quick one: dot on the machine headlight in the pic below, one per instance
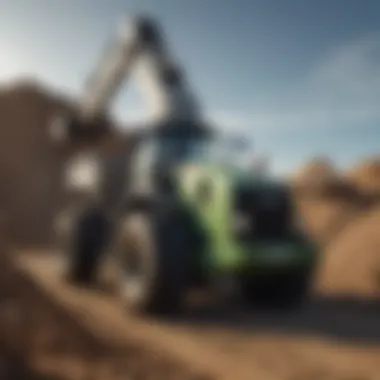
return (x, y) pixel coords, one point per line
(83, 174)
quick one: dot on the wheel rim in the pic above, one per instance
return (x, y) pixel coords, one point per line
(133, 283)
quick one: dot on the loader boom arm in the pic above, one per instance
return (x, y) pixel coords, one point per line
(113, 69)
(140, 43)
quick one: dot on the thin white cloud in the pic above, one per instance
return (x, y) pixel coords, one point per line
(342, 89)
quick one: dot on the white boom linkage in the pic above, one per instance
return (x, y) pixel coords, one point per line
(140, 43)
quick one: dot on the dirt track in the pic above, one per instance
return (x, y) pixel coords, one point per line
(330, 339)
(51, 339)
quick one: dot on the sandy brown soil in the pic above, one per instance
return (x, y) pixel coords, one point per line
(366, 175)
(57, 338)
(329, 339)
(61, 333)
(351, 263)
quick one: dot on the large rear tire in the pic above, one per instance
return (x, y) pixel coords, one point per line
(153, 258)
(82, 244)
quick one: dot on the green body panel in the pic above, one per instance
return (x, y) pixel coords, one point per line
(223, 252)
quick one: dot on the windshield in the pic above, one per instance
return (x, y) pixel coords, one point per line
(226, 151)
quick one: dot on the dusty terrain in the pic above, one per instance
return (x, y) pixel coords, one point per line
(60, 333)
(64, 333)
(58, 340)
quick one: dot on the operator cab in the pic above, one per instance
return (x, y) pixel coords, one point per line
(179, 143)
(163, 149)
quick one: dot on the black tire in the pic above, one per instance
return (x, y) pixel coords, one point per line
(284, 291)
(84, 244)
(158, 242)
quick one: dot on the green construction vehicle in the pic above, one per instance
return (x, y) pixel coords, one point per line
(181, 210)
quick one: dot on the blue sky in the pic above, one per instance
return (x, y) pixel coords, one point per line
(302, 77)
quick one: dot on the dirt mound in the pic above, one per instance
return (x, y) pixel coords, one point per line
(347, 234)
(319, 178)
(222, 343)
(323, 219)
(366, 176)
(326, 201)
(317, 170)
(351, 263)
(40, 338)
(30, 165)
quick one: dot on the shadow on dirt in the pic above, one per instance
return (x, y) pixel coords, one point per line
(350, 320)
(13, 368)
